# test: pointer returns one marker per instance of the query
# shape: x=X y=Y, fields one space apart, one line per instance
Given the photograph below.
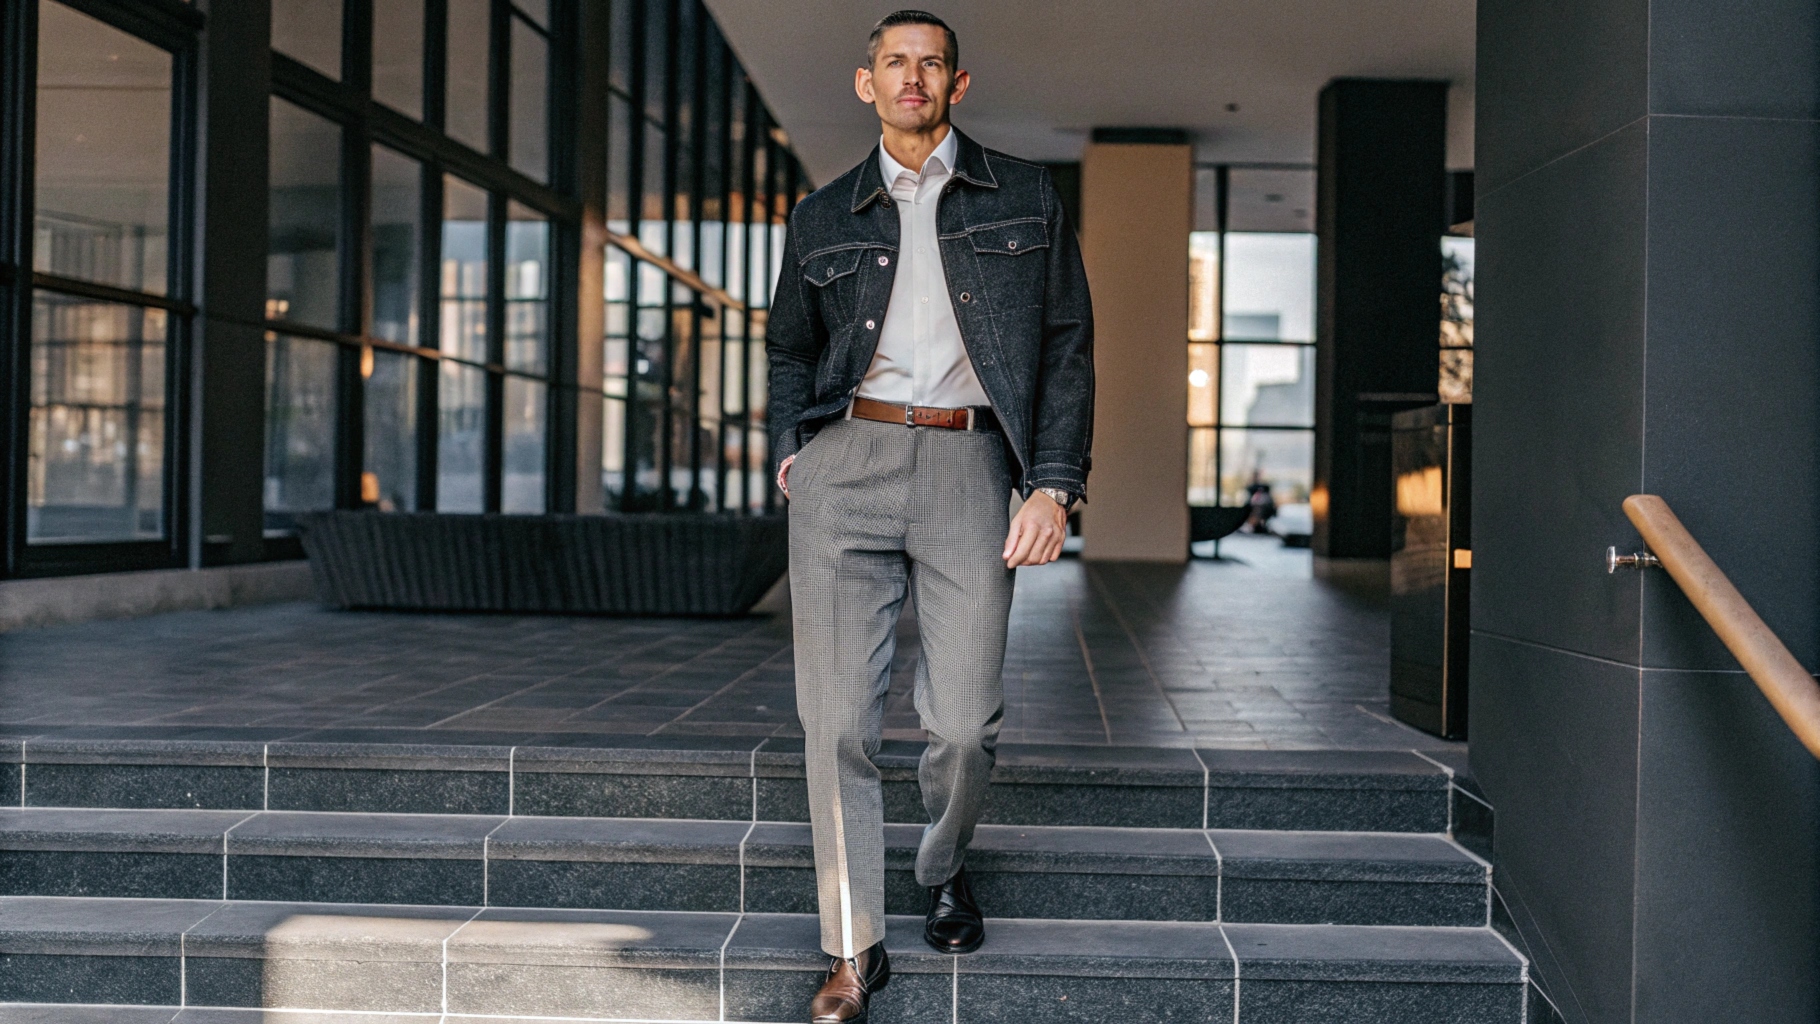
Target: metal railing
x=1791 y=690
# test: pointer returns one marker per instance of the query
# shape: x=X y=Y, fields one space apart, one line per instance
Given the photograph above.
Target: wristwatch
x=1066 y=499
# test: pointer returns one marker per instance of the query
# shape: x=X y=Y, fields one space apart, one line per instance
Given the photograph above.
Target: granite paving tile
x=1231 y=653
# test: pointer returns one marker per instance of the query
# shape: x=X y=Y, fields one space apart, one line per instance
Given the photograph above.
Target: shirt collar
x=941 y=161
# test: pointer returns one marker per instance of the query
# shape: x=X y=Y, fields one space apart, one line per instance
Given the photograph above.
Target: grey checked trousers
x=878 y=511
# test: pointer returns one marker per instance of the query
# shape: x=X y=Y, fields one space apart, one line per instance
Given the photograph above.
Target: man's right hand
x=783 y=476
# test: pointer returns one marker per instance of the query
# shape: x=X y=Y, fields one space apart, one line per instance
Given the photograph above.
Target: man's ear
x=959 y=88
x=862 y=84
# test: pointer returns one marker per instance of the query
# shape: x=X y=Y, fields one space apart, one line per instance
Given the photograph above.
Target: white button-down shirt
x=920 y=359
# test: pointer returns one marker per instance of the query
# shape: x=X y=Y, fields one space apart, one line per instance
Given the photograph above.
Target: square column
x=1136 y=210
x=1382 y=191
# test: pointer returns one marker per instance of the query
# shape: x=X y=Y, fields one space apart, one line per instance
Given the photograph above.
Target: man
x=931 y=351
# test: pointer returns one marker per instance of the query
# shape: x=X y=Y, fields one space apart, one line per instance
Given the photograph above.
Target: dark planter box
x=659 y=564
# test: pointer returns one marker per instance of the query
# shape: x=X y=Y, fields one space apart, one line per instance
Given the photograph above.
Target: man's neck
x=912 y=149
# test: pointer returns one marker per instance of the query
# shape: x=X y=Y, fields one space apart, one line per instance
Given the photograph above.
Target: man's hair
x=952 y=52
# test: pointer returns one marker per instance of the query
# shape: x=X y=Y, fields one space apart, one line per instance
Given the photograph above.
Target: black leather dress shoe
x=846 y=993
x=954 y=919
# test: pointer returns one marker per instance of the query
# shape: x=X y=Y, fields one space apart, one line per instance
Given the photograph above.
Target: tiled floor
x=1223 y=653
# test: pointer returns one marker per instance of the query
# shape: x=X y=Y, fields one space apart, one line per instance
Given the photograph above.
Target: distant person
x=1263 y=504
x=931 y=348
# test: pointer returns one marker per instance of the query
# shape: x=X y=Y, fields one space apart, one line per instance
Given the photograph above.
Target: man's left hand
x=1036 y=533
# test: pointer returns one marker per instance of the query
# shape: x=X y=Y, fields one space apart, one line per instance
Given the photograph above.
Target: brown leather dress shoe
x=847 y=991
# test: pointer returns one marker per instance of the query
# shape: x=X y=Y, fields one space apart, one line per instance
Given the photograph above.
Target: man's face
x=910 y=82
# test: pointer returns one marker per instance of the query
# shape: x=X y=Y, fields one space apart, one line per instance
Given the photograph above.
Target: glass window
x=530 y=121
x=1203 y=385
x=1266 y=385
x=620 y=45
x=388 y=479
x=96 y=464
x=527 y=289
x=654 y=204
x=620 y=126
x=536 y=10
x=398 y=55
x=1270 y=287
x=464 y=270
x=461 y=439
x=1203 y=466
x=397 y=201
x=1283 y=460
x=613 y=450
x=1204 y=286
x=1456 y=320
x=309 y=31
x=522 y=489
x=303 y=266
x=300 y=392
x=614 y=368
x=102 y=174
x=470 y=52
x=656 y=57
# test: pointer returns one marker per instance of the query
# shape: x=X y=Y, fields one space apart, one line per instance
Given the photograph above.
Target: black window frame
x=366 y=122
x=176 y=28
x=665 y=422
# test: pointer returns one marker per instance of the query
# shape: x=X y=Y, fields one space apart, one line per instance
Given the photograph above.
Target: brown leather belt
x=972 y=417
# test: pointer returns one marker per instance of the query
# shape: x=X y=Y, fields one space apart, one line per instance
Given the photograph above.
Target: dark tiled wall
x=1648 y=309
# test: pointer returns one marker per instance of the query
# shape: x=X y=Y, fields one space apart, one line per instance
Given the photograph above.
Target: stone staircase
x=151 y=875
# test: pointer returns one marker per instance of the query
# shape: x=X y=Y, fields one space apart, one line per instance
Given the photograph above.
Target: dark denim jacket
x=1015 y=279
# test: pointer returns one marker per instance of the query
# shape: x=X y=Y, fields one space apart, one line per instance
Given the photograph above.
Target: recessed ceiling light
x=1232 y=108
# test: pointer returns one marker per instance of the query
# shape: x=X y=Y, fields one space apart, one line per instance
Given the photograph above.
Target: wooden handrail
x=1788 y=685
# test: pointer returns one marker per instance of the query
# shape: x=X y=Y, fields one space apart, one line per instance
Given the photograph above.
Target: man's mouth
x=913 y=99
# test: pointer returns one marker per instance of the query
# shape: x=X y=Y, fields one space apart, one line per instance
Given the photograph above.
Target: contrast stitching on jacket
x=967 y=232
x=843 y=247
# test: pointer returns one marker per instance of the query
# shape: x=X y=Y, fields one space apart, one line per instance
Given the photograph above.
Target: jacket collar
x=970 y=165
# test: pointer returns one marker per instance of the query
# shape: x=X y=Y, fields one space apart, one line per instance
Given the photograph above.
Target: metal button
x=1011 y=244
x=830 y=271
x=884 y=261
x=966 y=297
x=868 y=325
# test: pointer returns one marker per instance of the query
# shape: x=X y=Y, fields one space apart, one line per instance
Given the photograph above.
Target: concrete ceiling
x=1045 y=73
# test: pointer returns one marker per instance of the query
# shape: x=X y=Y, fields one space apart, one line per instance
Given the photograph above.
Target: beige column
x=1136 y=210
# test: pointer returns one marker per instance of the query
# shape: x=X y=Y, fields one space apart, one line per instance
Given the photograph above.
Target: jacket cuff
x=1065 y=475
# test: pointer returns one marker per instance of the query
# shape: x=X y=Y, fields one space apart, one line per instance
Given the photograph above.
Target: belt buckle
x=970 y=411
x=909 y=415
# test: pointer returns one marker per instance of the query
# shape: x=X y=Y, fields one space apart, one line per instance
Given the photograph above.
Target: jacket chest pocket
x=1010 y=271
x=836 y=279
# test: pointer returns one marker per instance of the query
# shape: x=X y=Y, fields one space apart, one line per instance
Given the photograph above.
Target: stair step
x=1088 y=872
x=751 y=967
x=735 y=779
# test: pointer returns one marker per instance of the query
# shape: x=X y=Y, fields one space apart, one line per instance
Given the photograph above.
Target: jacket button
x=868 y=325
x=884 y=261
x=966 y=297
x=1011 y=244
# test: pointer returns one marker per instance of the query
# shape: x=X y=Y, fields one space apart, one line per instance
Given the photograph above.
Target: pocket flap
x=1010 y=239
x=831 y=266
